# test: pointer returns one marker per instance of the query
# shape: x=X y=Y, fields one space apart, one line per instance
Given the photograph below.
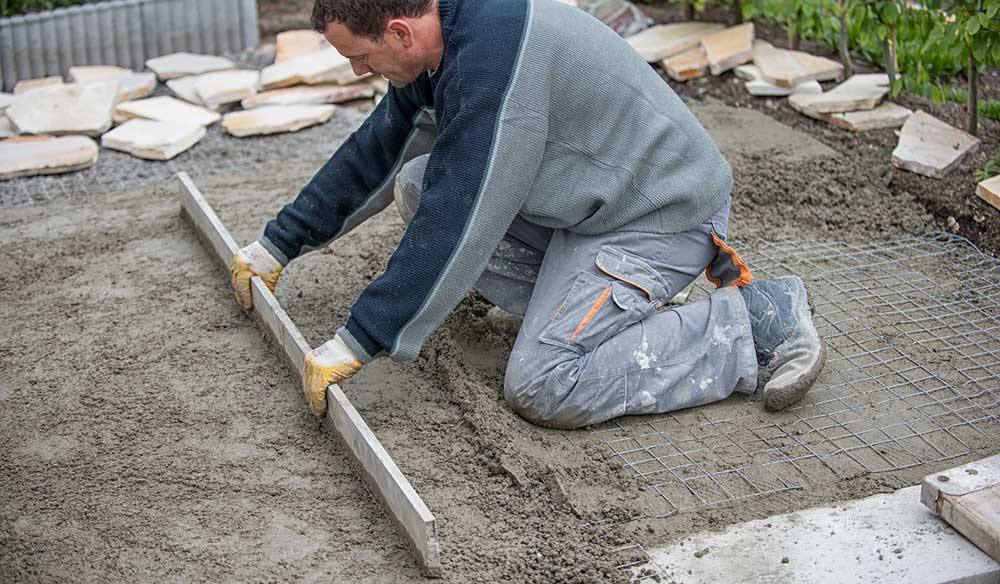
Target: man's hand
x=253 y=260
x=331 y=362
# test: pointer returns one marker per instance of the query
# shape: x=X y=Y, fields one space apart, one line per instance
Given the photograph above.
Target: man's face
x=393 y=56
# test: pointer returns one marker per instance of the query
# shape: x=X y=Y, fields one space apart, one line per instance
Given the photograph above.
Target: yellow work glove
x=253 y=260
x=331 y=362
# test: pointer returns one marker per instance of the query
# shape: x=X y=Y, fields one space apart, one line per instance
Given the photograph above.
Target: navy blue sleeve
x=478 y=177
x=355 y=183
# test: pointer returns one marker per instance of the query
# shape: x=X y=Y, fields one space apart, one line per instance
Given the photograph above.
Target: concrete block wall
x=121 y=32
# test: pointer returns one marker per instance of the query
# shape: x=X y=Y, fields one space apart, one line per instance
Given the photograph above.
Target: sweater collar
x=448 y=12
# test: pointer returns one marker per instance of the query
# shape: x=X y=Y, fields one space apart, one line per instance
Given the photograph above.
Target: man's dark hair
x=365 y=18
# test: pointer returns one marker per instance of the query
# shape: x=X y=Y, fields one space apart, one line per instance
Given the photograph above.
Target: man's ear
x=399 y=29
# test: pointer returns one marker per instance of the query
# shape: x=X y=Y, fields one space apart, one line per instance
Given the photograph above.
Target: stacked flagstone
x=274 y=119
x=153 y=140
x=70 y=108
x=131 y=85
x=785 y=68
x=930 y=147
x=293 y=43
x=32 y=155
x=855 y=104
x=178 y=65
x=308 y=77
x=26 y=85
x=989 y=191
x=658 y=42
x=756 y=85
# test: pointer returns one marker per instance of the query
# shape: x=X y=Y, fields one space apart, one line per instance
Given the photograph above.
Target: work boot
x=789 y=351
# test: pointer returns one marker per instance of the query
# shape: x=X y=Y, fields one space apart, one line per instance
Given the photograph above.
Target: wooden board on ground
x=386 y=482
x=968 y=498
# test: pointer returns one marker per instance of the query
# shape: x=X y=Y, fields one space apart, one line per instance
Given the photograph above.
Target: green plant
x=15 y=7
x=952 y=94
x=992 y=168
x=976 y=26
x=990 y=108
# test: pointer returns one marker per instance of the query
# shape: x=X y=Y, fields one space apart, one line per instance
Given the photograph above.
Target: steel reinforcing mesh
x=912 y=377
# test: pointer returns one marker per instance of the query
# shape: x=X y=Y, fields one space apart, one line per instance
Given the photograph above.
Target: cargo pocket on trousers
x=596 y=308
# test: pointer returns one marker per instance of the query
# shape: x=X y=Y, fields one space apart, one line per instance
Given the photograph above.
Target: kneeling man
x=538 y=159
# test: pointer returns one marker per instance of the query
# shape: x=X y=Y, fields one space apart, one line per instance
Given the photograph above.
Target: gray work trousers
x=597 y=341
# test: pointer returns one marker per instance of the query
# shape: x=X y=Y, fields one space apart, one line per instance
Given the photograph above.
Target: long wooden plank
x=968 y=498
x=386 y=482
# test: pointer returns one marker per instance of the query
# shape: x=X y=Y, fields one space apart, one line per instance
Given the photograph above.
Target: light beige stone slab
x=165 y=109
x=728 y=48
x=131 y=85
x=930 y=147
x=326 y=66
x=184 y=88
x=665 y=40
x=859 y=93
x=690 y=64
x=135 y=86
x=381 y=84
x=786 y=68
x=275 y=119
x=216 y=89
x=26 y=85
x=887 y=115
x=6 y=99
x=293 y=43
x=310 y=94
x=73 y=108
x=989 y=191
x=33 y=155
x=7 y=129
x=153 y=140
x=97 y=73
x=177 y=65
x=756 y=85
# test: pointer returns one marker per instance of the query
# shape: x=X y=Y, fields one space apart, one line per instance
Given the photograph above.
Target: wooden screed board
x=384 y=479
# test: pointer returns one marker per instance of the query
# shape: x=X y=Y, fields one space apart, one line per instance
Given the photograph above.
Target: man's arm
x=356 y=182
x=477 y=179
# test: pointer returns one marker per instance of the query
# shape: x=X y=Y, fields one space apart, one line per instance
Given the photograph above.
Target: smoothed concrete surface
x=884 y=538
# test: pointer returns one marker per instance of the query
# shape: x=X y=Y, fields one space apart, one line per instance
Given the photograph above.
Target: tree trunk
x=843 y=47
x=889 y=57
x=739 y=11
x=973 y=103
x=793 y=37
x=688 y=11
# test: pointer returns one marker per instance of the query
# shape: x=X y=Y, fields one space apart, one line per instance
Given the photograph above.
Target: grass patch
x=991 y=169
x=990 y=108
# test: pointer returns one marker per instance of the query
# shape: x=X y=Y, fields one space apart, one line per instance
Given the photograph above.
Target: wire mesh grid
x=633 y=560
x=912 y=377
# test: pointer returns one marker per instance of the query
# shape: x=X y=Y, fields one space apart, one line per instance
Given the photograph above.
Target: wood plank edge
x=421 y=535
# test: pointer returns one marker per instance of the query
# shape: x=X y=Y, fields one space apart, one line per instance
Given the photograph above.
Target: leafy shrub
x=15 y=7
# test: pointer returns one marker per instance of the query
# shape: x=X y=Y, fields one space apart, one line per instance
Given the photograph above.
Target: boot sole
x=778 y=399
